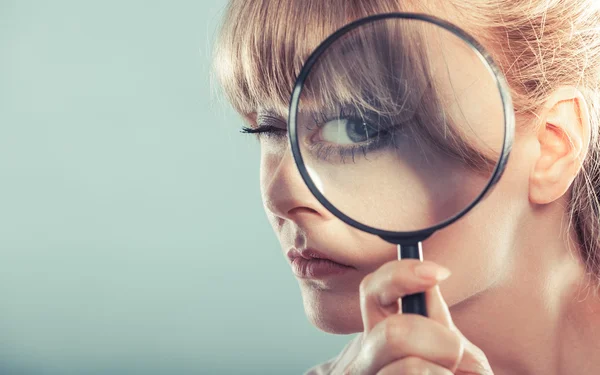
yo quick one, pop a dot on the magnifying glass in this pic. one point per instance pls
(400, 124)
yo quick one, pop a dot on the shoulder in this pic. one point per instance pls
(336, 365)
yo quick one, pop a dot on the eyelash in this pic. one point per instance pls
(264, 130)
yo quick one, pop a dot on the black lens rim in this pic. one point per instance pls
(501, 83)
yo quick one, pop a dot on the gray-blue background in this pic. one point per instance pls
(132, 236)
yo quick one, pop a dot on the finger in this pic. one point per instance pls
(380, 290)
(473, 359)
(407, 335)
(437, 308)
(413, 365)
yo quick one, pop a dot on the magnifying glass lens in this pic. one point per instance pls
(400, 124)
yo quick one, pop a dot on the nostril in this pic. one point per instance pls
(300, 210)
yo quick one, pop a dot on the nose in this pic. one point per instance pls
(286, 195)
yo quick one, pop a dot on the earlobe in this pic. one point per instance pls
(564, 137)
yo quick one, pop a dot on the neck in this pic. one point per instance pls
(542, 316)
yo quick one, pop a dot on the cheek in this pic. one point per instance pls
(269, 163)
(480, 248)
(394, 193)
(270, 159)
(267, 168)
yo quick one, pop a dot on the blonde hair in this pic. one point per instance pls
(540, 45)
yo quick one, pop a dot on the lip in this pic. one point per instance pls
(312, 264)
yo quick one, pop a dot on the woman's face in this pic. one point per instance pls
(478, 250)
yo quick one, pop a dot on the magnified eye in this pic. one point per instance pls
(345, 131)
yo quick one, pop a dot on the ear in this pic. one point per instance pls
(564, 138)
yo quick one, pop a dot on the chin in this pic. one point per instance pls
(332, 311)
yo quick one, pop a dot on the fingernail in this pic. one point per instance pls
(432, 271)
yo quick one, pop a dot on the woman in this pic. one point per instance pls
(522, 297)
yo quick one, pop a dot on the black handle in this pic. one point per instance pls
(413, 303)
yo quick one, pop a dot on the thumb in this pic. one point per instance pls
(474, 359)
